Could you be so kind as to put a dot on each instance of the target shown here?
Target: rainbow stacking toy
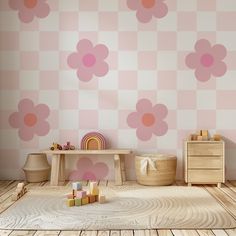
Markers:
(93, 141)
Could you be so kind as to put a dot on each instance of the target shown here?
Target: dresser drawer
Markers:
(205, 149)
(205, 162)
(205, 176)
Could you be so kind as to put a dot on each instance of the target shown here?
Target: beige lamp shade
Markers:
(36, 167)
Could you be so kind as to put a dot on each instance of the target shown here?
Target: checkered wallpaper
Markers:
(144, 73)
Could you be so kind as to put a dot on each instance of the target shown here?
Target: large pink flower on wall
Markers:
(89, 60)
(30, 119)
(148, 119)
(86, 170)
(207, 60)
(28, 9)
(146, 9)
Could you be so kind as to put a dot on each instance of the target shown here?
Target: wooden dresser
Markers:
(204, 162)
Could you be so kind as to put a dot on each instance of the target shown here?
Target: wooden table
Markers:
(58, 162)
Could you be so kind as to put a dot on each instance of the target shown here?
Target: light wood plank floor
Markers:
(226, 195)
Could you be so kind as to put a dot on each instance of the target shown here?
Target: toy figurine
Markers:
(68, 146)
(56, 146)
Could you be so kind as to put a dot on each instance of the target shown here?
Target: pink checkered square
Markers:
(49, 80)
(147, 60)
(167, 41)
(108, 20)
(49, 41)
(88, 119)
(68, 21)
(128, 80)
(108, 100)
(187, 99)
(226, 99)
(166, 80)
(209, 5)
(9, 41)
(187, 21)
(69, 99)
(29, 60)
(225, 21)
(206, 119)
(9, 80)
(127, 40)
(88, 5)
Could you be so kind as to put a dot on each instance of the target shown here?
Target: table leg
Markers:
(62, 168)
(122, 164)
(55, 170)
(118, 175)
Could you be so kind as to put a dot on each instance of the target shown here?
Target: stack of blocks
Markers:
(80, 197)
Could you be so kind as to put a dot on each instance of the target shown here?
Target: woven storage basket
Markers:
(36, 167)
(165, 169)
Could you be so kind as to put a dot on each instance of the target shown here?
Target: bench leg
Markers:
(118, 175)
(122, 164)
(62, 168)
(55, 170)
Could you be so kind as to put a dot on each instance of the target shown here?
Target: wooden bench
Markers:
(58, 162)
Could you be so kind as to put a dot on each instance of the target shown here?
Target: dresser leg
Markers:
(218, 185)
(189, 184)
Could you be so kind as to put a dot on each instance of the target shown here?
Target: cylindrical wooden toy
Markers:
(155, 169)
(36, 167)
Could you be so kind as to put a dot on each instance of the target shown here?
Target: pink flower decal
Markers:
(28, 9)
(86, 170)
(30, 119)
(207, 60)
(89, 60)
(148, 119)
(146, 9)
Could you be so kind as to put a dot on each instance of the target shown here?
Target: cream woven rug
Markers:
(128, 207)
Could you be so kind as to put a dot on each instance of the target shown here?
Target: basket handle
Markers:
(145, 163)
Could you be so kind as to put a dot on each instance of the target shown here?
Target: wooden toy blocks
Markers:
(80, 197)
(92, 198)
(101, 199)
(203, 135)
(81, 194)
(85, 200)
(78, 201)
(77, 186)
(70, 202)
(19, 192)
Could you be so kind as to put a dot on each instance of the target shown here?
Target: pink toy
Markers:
(68, 146)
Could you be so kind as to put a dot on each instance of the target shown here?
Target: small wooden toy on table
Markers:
(56, 146)
(80, 197)
(68, 146)
(19, 192)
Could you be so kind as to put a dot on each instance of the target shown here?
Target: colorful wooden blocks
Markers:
(81, 194)
(80, 197)
(92, 198)
(77, 186)
(70, 202)
(85, 200)
(101, 199)
(78, 201)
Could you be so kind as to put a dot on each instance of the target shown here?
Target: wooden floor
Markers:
(226, 195)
